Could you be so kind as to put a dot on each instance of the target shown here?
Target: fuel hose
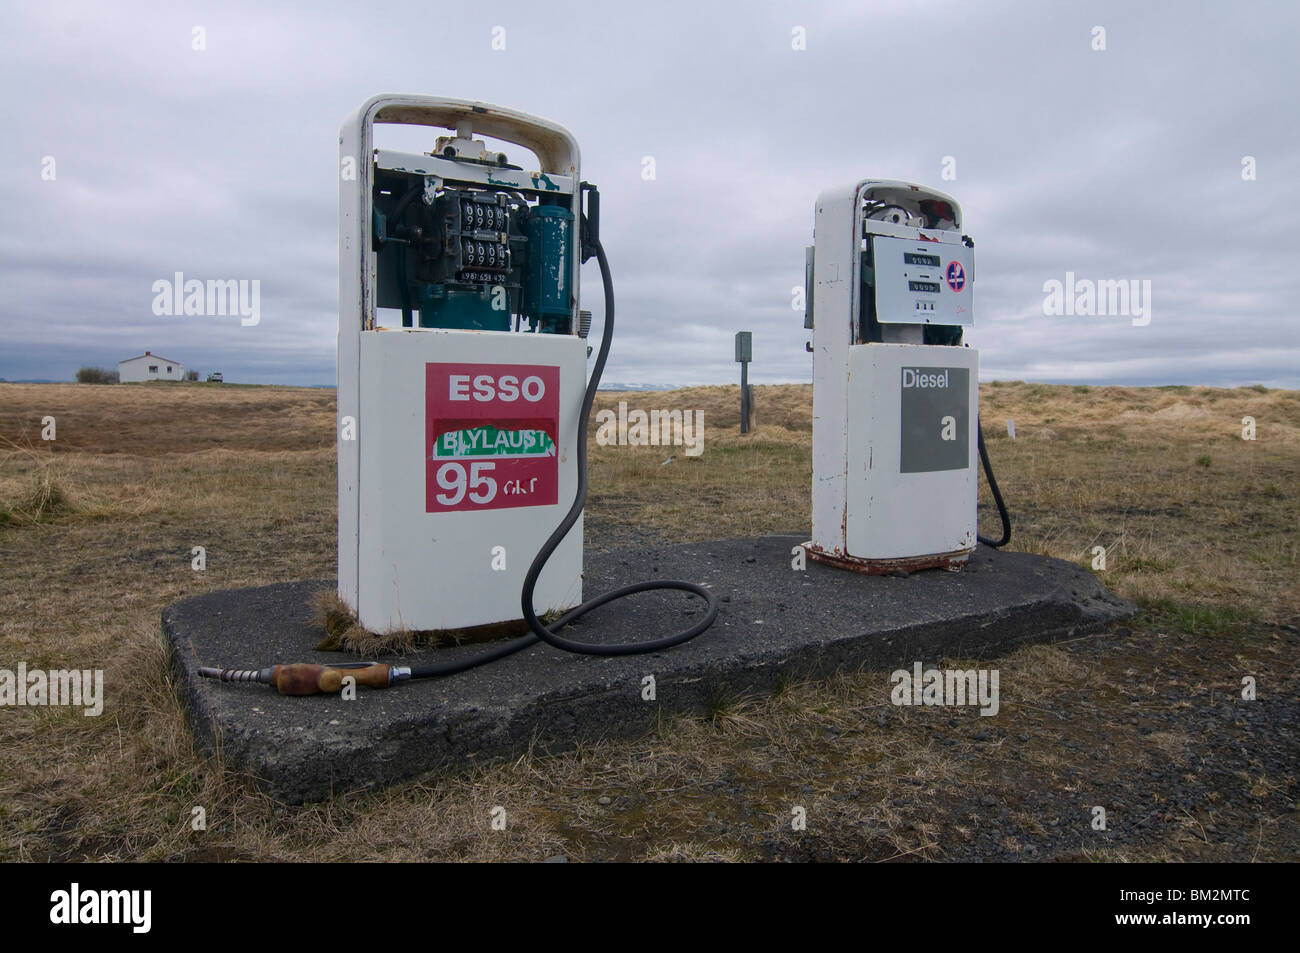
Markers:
(997, 496)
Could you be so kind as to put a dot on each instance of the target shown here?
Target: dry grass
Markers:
(96, 530)
(760, 479)
(164, 418)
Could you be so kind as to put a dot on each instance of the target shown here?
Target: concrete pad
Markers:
(775, 623)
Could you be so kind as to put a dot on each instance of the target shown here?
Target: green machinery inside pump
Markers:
(474, 259)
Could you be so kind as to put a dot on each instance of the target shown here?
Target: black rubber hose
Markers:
(549, 634)
(403, 285)
(400, 208)
(997, 496)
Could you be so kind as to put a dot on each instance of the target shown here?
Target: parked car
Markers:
(215, 377)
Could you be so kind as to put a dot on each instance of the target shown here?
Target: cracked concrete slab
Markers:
(776, 623)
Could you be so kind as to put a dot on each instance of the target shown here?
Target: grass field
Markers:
(1199, 528)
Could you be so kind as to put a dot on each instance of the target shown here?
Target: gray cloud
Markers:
(223, 164)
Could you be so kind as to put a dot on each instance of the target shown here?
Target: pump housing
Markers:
(895, 390)
(461, 366)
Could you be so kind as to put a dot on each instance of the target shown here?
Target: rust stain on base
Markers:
(883, 567)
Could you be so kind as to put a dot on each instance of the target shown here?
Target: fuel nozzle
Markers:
(307, 678)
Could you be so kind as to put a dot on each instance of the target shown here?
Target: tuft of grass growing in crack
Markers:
(344, 633)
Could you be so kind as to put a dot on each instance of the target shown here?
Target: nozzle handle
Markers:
(306, 678)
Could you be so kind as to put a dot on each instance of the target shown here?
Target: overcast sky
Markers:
(222, 162)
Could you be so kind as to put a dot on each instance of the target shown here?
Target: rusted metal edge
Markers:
(952, 561)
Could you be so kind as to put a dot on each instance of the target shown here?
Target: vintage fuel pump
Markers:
(895, 391)
(462, 466)
(467, 397)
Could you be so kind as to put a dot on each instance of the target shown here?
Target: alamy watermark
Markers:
(951, 687)
(216, 297)
(39, 688)
(127, 907)
(655, 428)
(1123, 297)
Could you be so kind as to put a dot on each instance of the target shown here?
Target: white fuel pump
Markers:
(463, 416)
(463, 399)
(462, 489)
(895, 391)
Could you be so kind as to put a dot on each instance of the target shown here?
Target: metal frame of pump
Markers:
(895, 394)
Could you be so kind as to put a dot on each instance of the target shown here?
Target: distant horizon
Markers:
(618, 387)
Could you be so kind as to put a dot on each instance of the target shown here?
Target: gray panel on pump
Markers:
(935, 419)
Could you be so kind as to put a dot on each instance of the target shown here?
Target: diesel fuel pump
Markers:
(889, 295)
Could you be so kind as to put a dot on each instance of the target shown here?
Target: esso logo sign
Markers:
(491, 436)
(485, 388)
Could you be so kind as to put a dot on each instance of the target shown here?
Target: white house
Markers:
(149, 367)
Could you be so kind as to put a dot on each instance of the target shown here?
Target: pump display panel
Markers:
(915, 284)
